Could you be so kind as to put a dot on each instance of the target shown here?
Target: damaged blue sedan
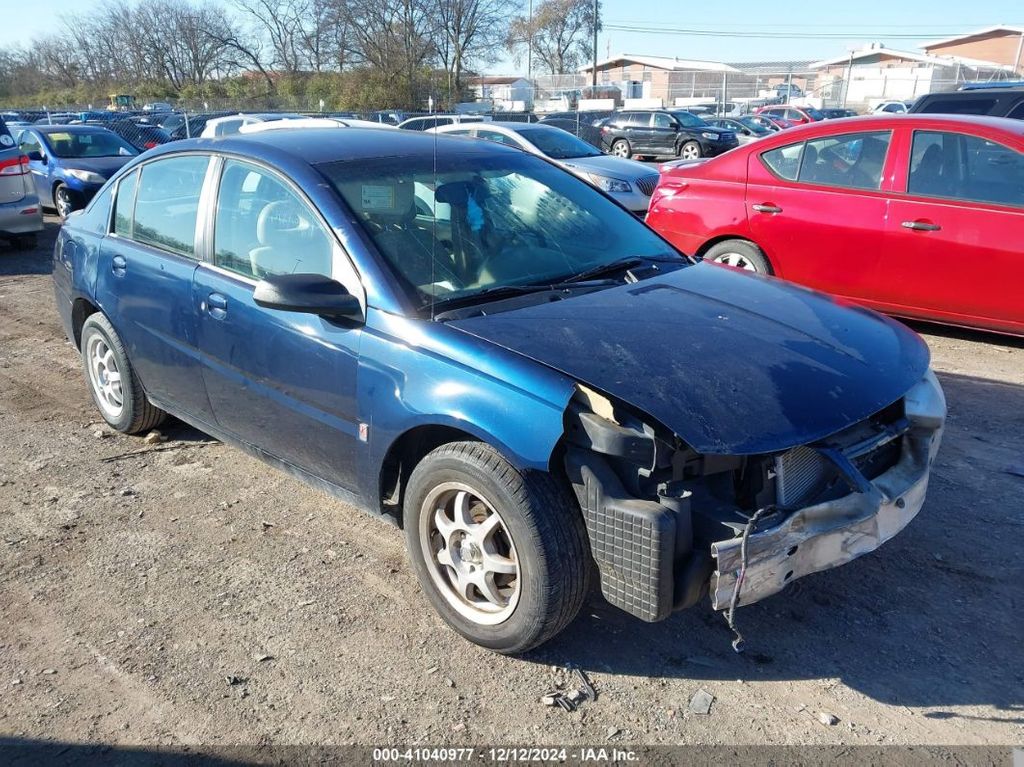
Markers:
(497, 356)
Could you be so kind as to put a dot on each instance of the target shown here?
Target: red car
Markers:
(795, 115)
(917, 215)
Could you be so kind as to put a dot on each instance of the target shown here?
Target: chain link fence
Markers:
(571, 101)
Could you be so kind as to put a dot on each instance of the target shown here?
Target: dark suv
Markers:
(995, 102)
(664, 132)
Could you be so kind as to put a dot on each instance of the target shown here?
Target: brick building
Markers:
(999, 44)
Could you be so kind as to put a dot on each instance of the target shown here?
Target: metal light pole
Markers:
(849, 76)
(529, 47)
(593, 79)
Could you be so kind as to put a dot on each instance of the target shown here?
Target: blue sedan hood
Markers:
(105, 166)
(732, 363)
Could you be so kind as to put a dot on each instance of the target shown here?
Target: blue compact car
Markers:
(69, 163)
(495, 354)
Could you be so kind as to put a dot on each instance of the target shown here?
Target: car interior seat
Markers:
(289, 242)
(928, 177)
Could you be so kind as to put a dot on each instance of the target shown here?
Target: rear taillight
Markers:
(16, 166)
(150, 145)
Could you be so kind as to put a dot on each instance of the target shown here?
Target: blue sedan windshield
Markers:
(483, 222)
(83, 144)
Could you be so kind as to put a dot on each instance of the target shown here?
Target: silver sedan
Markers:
(630, 182)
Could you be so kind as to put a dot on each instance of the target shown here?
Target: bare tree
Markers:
(395, 37)
(469, 31)
(562, 33)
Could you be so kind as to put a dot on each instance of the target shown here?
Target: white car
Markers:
(312, 122)
(157, 106)
(893, 107)
(426, 122)
(629, 182)
(230, 124)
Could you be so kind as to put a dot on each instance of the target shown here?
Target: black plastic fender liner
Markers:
(633, 541)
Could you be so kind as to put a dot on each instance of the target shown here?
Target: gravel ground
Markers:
(191, 595)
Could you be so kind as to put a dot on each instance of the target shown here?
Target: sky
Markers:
(744, 30)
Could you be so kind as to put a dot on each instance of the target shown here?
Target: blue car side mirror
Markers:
(309, 294)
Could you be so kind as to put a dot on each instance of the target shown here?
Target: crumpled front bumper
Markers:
(833, 533)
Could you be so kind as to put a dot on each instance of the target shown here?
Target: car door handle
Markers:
(119, 265)
(921, 226)
(766, 208)
(216, 305)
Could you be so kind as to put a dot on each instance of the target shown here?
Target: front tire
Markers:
(63, 200)
(621, 148)
(115, 388)
(501, 554)
(740, 254)
(689, 150)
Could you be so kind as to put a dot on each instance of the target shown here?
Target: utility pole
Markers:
(529, 47)
(593, 79)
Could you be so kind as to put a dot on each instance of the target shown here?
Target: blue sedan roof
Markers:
(45, 129)
(321, 145)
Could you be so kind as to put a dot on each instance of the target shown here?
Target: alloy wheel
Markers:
(737, 260)
(62, 201)
(104, 376)
(470, 554)
(690, 152)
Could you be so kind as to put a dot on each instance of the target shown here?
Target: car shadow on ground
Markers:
(964, 334)
(15, 260)
(930, 619)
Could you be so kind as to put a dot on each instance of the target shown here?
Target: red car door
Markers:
(818, 208)
(953, 239)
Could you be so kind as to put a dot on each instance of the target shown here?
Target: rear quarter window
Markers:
(784, 162)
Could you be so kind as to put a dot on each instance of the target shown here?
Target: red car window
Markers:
(852, 161)
(784, 162)
(960, 167)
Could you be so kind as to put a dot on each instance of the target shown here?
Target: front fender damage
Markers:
(666, 524)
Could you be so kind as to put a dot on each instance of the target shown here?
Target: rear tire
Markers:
(471, 517)
(740, 254)
(115, 388)
(621, 148)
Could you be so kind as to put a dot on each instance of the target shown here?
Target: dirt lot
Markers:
(193, 595)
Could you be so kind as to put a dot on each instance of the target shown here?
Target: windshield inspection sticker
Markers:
(6, 141)
(378, 197)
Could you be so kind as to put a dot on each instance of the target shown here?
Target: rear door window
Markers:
(639, 120)
(167, 203)
(853, 161)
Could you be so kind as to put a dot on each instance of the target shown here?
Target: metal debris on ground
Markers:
(701, 702)
(572, 699)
